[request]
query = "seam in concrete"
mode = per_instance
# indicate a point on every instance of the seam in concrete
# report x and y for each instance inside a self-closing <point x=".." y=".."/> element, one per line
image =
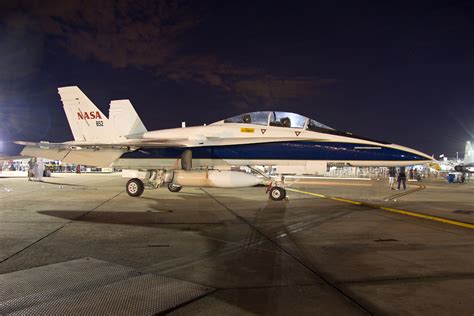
<point x="58" y="229"/>
<point x="243" y="288"/>
<point x="243" y="244"/>
<point x="33" y="243"/>
<point x="401" y="194"/>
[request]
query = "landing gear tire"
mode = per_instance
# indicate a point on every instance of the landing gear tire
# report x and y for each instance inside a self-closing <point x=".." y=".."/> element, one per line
<point x="135" y="187"/>
<point x="277" y="194"/>
<point x="174" y="188"/>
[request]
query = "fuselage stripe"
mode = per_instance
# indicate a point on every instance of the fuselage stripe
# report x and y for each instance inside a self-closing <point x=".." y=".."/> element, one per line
<point x="289" y="150"/>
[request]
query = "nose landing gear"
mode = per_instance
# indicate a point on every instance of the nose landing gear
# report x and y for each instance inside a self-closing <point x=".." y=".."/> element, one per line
<point x="277" y="194"/>
<point x="276" y="191"/>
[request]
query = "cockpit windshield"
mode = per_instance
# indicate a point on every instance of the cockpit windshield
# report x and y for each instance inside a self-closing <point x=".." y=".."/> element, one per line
<point x="289" y="119"/>
<point x="277" y="118"/>
<point x="315" y="126"/>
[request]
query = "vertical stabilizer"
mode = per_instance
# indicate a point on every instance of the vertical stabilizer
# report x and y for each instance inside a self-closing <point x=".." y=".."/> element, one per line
<point x="87" y="122"/>
<point x="125" y="119"/>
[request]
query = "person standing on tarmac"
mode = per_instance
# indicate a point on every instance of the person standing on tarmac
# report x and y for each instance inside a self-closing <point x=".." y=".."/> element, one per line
<point x="31" y="165"/>
<point x="392" y="173"/>
<point x="39" y="170"/>
<point x="402" y="178"/>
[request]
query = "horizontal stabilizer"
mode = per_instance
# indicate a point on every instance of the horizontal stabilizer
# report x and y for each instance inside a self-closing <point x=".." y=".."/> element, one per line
<point x="91" y="157"/>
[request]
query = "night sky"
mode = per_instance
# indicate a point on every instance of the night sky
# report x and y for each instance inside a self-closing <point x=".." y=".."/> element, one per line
<point x="401" y="71"/>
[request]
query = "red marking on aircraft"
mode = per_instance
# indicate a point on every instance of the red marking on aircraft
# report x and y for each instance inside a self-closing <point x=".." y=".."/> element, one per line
<point x="297" y="133"/>
<point x="263" y="130"/>
<point x="92" y="115"/>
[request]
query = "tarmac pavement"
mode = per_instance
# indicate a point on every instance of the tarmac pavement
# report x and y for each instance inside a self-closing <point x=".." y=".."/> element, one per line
<point x="306" y="255"/>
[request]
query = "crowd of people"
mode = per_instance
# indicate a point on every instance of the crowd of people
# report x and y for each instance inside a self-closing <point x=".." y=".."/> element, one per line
<point x="35" y="168"/>
<point x="398" y="177"/>
<point x="25" y="165"/>
<point x="14" y="166"/>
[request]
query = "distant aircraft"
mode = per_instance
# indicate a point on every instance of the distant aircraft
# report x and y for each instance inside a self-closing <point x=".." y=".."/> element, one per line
<point x="468" y="163"/>
<point x="202" y="155"/>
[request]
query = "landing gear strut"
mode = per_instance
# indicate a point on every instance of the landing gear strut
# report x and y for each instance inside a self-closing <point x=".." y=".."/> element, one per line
<point x="135" y="187"/>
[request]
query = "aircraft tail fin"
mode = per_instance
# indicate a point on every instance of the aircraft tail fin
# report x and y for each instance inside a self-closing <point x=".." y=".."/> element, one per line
<point x="125" y="119"/>
<point x="87" y="122"/>
<point x="468" y="154"/>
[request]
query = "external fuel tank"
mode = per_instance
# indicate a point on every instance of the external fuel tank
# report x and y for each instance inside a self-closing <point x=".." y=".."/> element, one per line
<point x="215" y="178"/>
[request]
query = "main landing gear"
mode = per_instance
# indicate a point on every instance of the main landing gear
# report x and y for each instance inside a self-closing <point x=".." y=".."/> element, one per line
<point x="135" y="187"/>
<point x="174" y="187"/>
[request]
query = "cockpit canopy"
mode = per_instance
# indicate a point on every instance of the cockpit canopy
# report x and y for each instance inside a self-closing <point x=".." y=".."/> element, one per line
<point x="289" y="119"/>
<point x="277" y="118"/>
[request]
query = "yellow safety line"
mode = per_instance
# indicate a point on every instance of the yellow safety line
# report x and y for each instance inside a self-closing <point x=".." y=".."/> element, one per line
<point x="433" y="218"/>
<point x="308" y="193"/>
<point x="393" y="210"/>
<point x="344" y="200"/>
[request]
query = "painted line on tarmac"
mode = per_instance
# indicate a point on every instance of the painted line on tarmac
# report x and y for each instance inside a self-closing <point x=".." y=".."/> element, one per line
<point x="308" y="193"/>
<point x="390" y="209"/>
<point x="345" y="200"/>
<point x="401" y="194"/>
<point x="332" y="183"/>
<point x="433" y="218"/>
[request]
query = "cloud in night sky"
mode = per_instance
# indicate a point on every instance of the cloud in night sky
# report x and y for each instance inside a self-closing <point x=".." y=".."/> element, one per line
<point x="274" y="89"/>
<point x="155" y="35"/>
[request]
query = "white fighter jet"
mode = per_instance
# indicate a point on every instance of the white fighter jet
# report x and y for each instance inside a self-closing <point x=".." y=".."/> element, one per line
<point x="202" y="155"/>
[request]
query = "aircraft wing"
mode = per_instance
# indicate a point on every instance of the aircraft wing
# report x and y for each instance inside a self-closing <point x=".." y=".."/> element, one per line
<point x="147" y="143"/>
<point x="80" y="145"/>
